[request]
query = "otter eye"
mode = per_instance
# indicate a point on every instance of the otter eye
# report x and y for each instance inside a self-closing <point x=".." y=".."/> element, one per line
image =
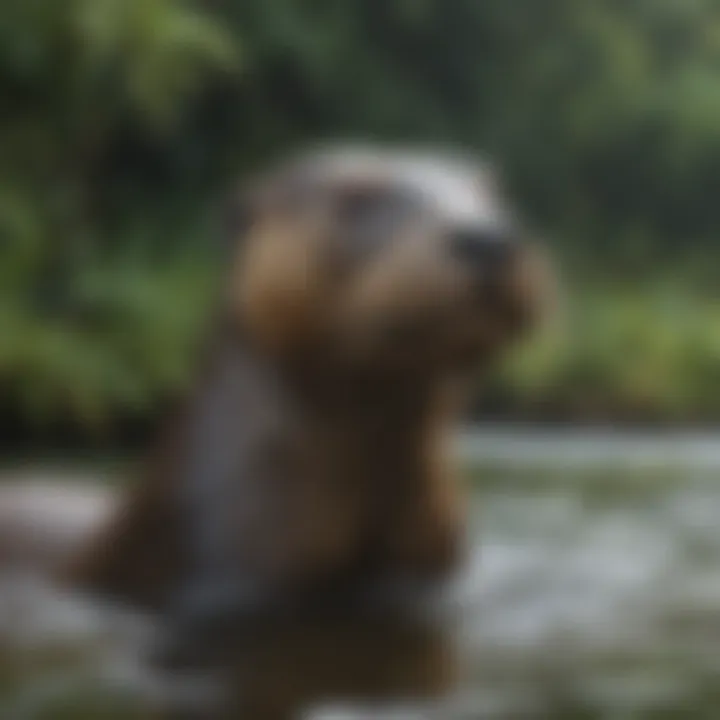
<point x="367" y="216"/>
<point x="361" y="205"/>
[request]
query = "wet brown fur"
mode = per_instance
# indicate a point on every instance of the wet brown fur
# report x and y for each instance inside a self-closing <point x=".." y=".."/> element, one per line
<point x="367" y="496"/>
<point x="356" y="484"/>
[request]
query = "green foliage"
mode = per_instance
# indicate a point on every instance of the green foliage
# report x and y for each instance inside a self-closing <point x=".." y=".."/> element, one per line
<point x="89" y="327"/>
<point x="651" y="352"/>
<point x="124" y="343"/>
<point x="121" y="120"/>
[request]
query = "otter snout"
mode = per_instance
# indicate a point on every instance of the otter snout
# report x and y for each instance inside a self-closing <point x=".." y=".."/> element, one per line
<point x="508" y="276"/>
<point x="487" y="251"/>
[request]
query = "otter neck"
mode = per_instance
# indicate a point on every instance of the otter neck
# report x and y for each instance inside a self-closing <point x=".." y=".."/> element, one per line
<point x="383" y="418"/>
<point x="393" y="428"/>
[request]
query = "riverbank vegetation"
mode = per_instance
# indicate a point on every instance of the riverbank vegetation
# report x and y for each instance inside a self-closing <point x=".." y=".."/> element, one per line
<point x="123" y="122"/>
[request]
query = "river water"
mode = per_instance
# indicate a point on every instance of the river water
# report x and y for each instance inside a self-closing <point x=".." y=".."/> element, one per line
<point x="593" y="587"/>
<point x="596" y="580"/>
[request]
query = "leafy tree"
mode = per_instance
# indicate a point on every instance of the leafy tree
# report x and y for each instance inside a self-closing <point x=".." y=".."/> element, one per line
<point x="122" y="119"/>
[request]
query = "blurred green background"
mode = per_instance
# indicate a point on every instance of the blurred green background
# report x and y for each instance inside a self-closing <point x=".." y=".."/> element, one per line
<point x="122" y="123"/>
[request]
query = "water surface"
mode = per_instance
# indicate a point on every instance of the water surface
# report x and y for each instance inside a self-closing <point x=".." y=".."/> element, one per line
<point x="593" y="590"/>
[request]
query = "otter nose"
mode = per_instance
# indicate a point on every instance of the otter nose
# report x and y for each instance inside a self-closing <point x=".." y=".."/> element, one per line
<point x="490" y="249"/>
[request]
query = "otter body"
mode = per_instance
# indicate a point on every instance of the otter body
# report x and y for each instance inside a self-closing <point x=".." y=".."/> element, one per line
<point x="366" y="288"/>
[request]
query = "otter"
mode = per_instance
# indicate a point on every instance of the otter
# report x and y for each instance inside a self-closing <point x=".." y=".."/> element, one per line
<point x="366" y="288"/>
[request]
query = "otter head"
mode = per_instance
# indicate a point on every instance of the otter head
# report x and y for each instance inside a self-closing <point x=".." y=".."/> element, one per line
<point x="384" y="258"/>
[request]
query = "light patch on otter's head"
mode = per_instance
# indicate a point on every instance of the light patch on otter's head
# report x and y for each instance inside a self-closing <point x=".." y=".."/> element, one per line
<point x="455" y="186"/>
